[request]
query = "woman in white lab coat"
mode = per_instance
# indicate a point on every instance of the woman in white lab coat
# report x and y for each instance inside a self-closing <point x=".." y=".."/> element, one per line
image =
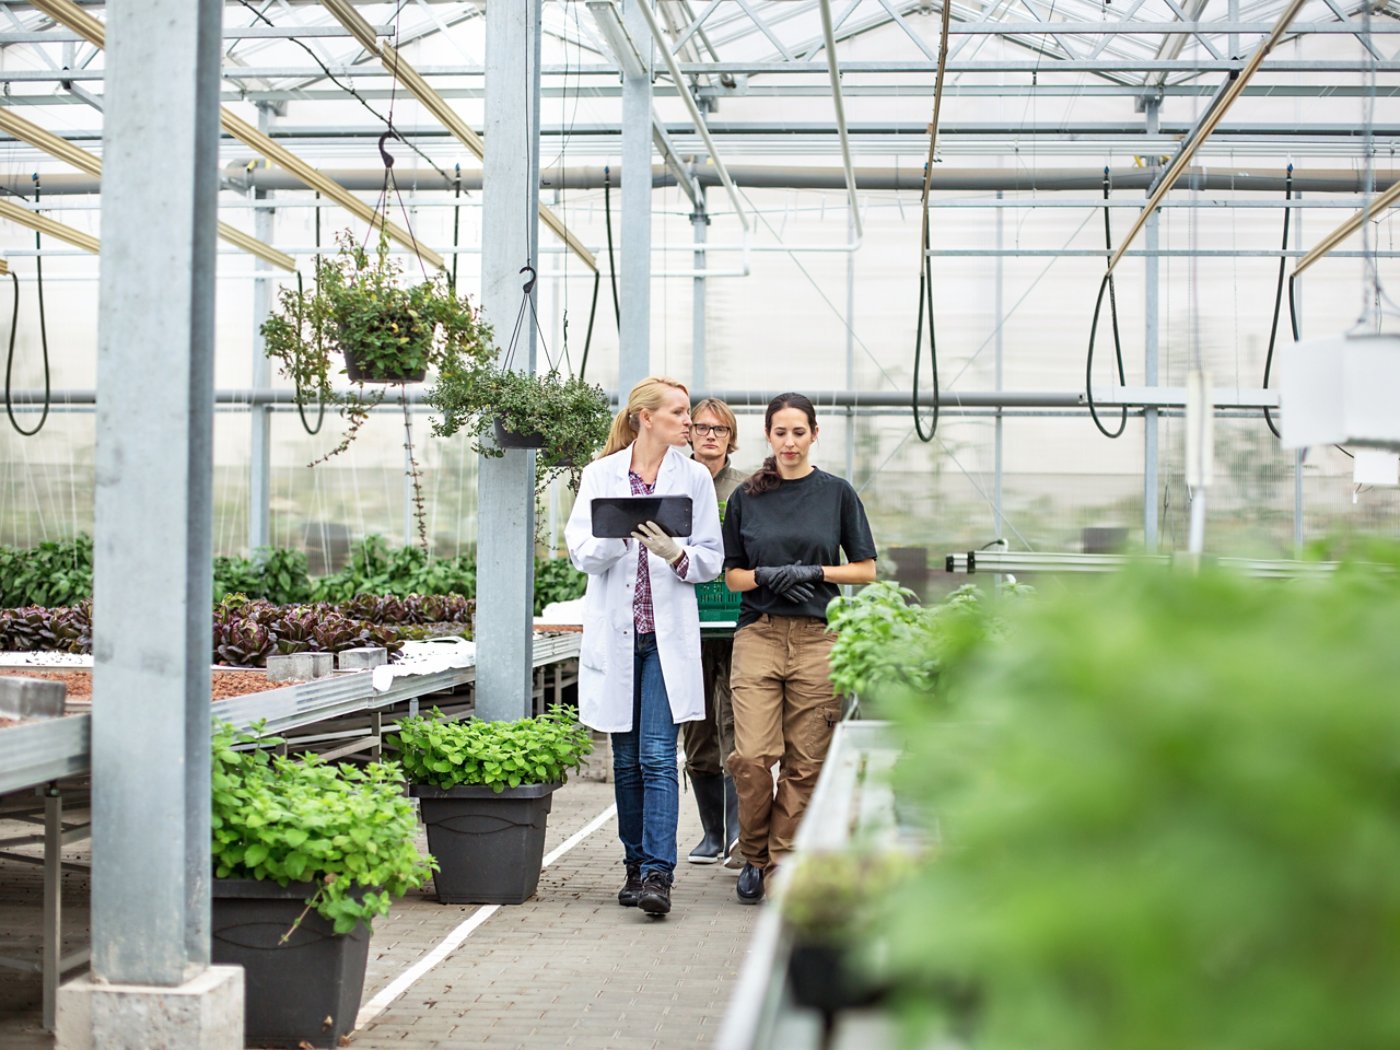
<point x="639" y="667"/>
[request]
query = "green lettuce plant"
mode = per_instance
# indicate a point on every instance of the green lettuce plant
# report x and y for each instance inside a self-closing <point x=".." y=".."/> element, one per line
<point x="349" y="832"/>
<point x="446" y="754"/>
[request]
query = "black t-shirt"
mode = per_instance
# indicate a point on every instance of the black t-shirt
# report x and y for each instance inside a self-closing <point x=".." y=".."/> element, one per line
<point x="808" y="521"/>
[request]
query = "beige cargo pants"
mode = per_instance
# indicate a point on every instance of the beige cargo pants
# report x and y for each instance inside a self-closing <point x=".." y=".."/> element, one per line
<point x="784" y="712"/>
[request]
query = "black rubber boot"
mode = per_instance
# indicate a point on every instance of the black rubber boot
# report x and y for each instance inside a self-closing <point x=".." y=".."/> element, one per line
<point x="709" y="800"/>
<point x="732" y="859"/>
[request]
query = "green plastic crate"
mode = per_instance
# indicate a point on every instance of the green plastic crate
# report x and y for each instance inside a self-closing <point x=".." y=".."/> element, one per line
<point x="718" y="604"/>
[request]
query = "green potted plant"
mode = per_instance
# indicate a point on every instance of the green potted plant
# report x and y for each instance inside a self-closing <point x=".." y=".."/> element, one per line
<point x="484" y="791"/>
<point x="829" y="904"/>
<point x="384" y="329"/>
<point x="564" y="417"/>
<point x="306" y="854"/>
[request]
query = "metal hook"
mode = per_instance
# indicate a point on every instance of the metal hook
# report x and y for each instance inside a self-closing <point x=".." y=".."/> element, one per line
<point x="530" y="284"/>
<point x="384" y="153"/>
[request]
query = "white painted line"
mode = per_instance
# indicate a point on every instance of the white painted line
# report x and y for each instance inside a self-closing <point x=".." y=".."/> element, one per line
<point x="376" y="1006"/>
<point x="578" y="836"/>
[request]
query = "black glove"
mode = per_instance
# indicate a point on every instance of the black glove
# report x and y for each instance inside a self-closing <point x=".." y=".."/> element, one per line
<point x="793" y="582"/>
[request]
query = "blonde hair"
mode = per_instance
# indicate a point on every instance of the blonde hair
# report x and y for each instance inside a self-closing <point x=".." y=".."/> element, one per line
<point x="649" y="394"/>
<point x="726" y="417"/>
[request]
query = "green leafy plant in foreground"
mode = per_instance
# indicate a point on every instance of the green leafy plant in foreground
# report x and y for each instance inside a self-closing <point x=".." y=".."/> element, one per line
<point x="538" y="750"/>
<point x="1169" y="816"/>
<point x="349" y="831"/>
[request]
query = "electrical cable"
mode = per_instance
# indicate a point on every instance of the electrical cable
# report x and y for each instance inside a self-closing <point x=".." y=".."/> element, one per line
<point x="925" y="266"/>
<point x="43" y="337"/>
<point x="1278" y="297"/>
<point x="592" y="312"/>
<point x="1106" y="283"/>
<point x="925" y="295"/>
<point x="612" y="264"/>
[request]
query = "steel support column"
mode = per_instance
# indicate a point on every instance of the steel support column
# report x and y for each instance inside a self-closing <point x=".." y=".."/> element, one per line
<point x="999" y="319"/>
<point x="699" y="222"/>
<point x="510" y="240"/>
<point x="259" y="416"/>
<point x="150" y="723"/>
<point x="1151" y="483"/>
<point x="634" y="337"/>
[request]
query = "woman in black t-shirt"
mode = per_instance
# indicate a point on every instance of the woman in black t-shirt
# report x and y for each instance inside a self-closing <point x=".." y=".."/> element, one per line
<point x="784" y="532"/>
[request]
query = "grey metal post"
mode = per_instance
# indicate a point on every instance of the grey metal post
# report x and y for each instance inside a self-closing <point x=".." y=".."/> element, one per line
<point x="699" y="223"/>
<point x="260" y="415"/>
<point x="51" y="965"/>
<point x="998" y="511"/>
<point x="1151" y="332"/>
<point x="150" y="722"/>
<point x="1298" y="455"/>
<point x="509" y="239"/>
<point x="634" y="337"/>
<point x="850" y="348"/>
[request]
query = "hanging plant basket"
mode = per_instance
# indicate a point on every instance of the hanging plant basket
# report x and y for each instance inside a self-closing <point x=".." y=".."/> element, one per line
<point x="363" y="372"/>
<point x="388" y="329"/>
<point x="515" y="439"/>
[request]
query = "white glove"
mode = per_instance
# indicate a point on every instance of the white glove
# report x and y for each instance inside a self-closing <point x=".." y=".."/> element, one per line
<point x="651" y="535"/>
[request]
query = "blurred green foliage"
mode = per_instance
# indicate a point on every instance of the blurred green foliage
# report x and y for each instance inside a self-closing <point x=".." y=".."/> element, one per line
<point x="1168" y="808"/>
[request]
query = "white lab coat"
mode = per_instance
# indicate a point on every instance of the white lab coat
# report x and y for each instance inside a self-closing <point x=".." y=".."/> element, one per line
<point x="606" y="657"/>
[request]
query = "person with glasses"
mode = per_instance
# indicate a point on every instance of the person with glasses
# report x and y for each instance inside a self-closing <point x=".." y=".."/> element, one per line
<point x="785" y="530"/>
<point x="639" y="668"/>
<point x="708" y="742"/>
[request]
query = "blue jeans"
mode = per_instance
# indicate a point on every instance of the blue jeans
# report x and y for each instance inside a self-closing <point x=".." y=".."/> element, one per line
<point x="644" y="769"/>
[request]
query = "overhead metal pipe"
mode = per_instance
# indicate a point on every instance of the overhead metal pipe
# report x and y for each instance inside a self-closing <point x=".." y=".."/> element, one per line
<point x="882" y="179"/>
<point x="1131" y="397"/>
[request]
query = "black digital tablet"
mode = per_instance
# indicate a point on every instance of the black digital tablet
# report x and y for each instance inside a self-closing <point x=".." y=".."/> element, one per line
<point x="617" y="517"/>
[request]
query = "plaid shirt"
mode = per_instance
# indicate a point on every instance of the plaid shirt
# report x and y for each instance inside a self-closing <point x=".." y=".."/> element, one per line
<point x="643" y="617"/>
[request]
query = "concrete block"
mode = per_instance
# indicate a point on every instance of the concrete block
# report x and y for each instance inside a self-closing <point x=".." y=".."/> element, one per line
<point x="362" y="659"/>
<point x="31" y="697"/>
<point x="204" y="1013"/>
<point x="299" y="667"/>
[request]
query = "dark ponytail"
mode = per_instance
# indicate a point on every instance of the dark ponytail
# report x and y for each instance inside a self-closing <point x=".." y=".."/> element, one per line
<point x="767" y="478"/>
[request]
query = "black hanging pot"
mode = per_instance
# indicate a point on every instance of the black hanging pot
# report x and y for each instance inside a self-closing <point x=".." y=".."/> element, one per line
<point x="361" y="371"/>
<point x="510" y="439"/>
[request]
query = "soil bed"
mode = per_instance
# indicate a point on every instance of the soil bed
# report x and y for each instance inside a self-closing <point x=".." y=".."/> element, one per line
<point x="226" y="684"/>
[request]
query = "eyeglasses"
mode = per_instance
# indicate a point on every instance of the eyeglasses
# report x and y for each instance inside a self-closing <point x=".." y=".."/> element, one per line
<point x="704" y="428"/>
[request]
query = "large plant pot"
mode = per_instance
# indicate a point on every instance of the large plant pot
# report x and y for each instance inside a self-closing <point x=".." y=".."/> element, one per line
<point x="510" y="439"/>
<point x="305" y="991"/>
<point x="488" y="846"/>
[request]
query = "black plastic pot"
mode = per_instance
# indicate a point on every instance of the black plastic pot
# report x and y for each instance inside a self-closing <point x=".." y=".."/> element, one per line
<point x="357" y="372"/>
<point x="821" y="977"/>
<point x="488" y="846"/>
<point x="510" y="439"/>
<point x="305" y="991"/>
